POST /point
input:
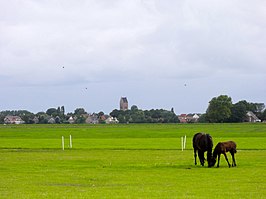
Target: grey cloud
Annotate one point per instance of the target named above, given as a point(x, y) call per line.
point(132, 41)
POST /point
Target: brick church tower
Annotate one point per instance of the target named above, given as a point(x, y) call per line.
point(123, 104)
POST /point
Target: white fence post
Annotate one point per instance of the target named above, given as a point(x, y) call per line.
point(63, 143)
point(185, 140)
point(70, 141)
point(182, 143)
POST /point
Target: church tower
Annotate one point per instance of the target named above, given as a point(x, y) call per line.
point(123, 104)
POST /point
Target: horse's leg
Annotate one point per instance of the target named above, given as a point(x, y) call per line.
point(195, 156)
point(227, 160)
point(218, 160)
point(233, 158)
point(201, 157)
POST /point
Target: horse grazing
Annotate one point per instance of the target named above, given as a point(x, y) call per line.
point(203, 142)
point(222, 148)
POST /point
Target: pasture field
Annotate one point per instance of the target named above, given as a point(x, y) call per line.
point(128, 161)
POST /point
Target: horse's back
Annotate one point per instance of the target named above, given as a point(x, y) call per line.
point(202, 141)
point(196, 140)
point(227, 146)
point(196, 135)
point(220, 147)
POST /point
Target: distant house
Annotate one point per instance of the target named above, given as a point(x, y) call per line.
point(111, 120)
point(196, 117)
point(13, 120)
point(123, 104)
point(57, 120)
point(104, 117)
point(35, 120)
point(192, 118)
point(92, 119)
point(71, 120)
point(251, 117)
point(188, 118)
point(182, 118)
point(51, 120)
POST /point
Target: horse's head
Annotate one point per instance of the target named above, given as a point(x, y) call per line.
point(211, 162)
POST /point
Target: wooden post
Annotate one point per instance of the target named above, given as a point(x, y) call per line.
point(185, 140)
point(63, 144)
point(182, 143)
point(70, 141)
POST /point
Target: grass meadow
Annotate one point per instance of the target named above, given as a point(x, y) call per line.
point(128, 161)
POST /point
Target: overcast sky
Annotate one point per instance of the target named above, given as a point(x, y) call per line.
point(159, 54)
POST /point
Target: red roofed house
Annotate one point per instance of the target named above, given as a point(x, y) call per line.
point(13, 120)
point(182, 118)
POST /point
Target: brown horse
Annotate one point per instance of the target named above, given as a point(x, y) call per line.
point(203, 142)
point(222, 148)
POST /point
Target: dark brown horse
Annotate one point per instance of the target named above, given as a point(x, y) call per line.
point(222, 148)
point(202, 142)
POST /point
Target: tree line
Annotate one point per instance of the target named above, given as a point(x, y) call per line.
point(220, 109)
point(58, 114)
point(136, 115)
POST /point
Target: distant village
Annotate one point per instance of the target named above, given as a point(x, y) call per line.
point(123, 115)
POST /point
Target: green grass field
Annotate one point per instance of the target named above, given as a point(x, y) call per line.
point(128, 161)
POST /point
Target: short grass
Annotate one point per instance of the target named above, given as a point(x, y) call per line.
point(128, 161)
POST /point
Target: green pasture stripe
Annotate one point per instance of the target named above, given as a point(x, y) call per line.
point(131, 131)
point(127, 143)
point(127, 174)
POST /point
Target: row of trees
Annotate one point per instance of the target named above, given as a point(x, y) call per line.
point(58, 114)
point(23, 114)
point(220, 109)
point(135, 115)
